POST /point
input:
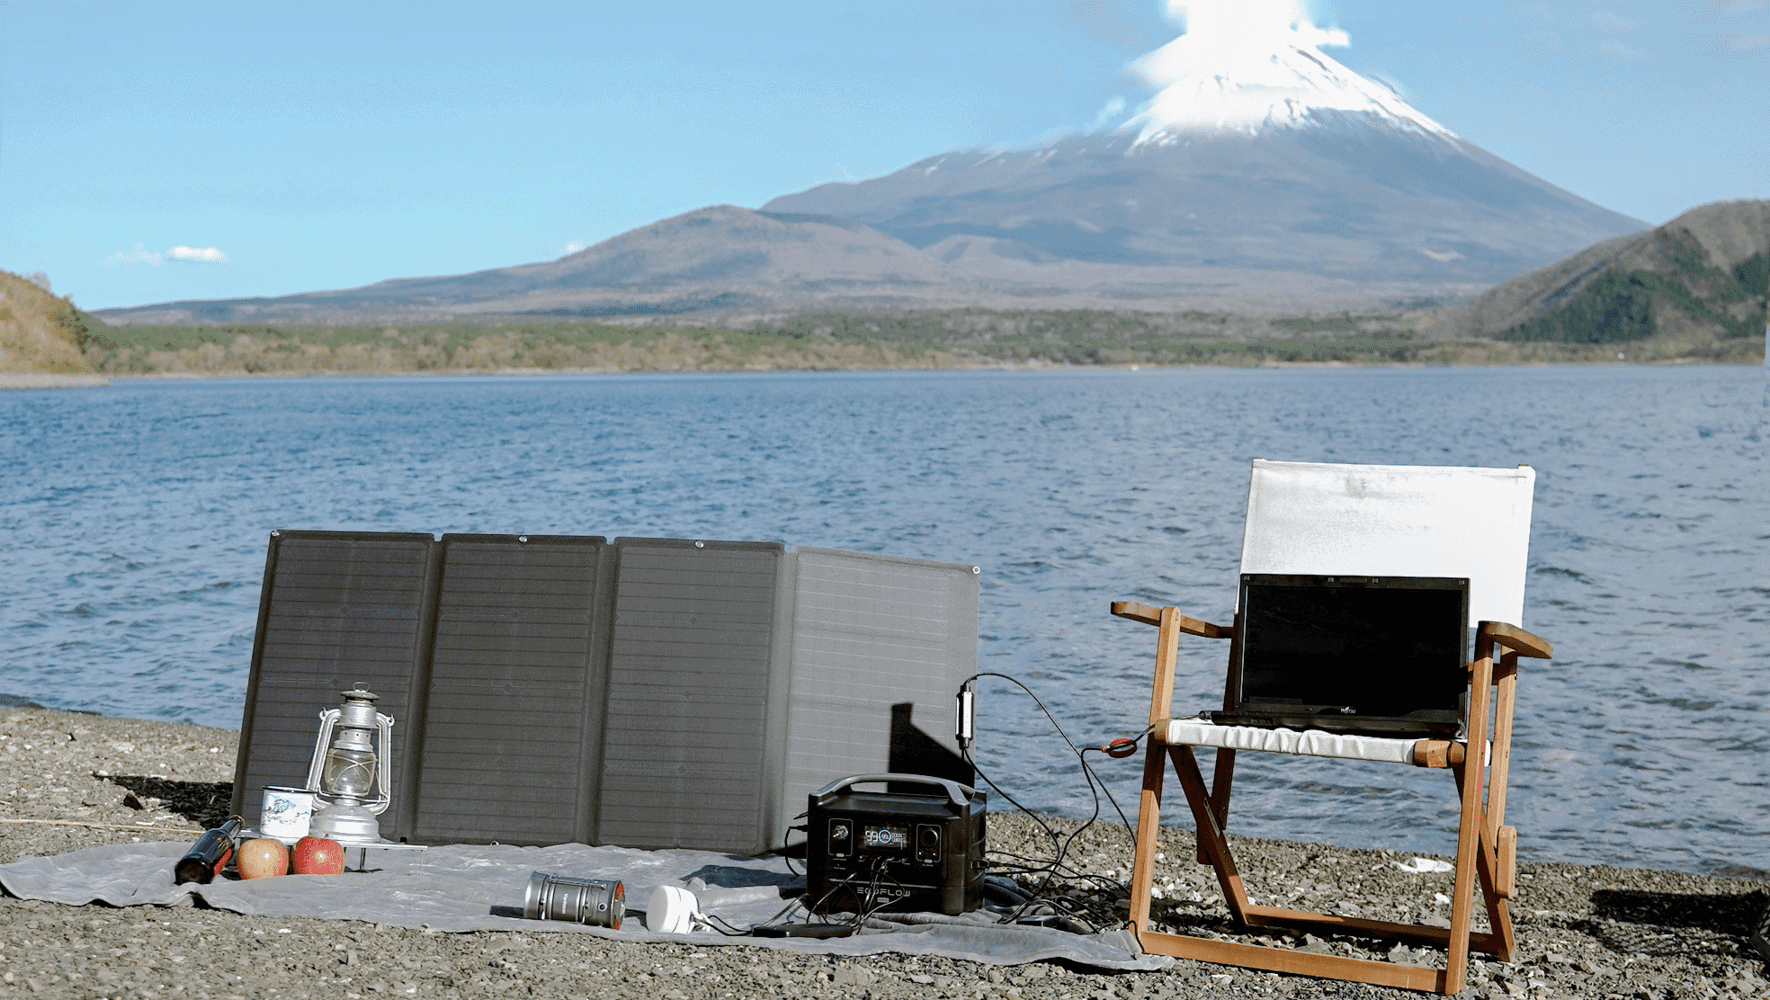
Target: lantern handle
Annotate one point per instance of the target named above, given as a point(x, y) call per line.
point(383, 765)
point(328, 717)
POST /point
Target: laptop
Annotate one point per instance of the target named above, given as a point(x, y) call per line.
point(1381, 655)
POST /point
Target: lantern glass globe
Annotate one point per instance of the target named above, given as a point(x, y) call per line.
point(348, 773)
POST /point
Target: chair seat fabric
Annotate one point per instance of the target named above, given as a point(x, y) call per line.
point(1308, 743)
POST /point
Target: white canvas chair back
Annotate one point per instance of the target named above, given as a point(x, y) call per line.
point(1308, 518)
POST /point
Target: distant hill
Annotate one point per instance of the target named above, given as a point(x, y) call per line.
point(1704, 275)
point(717, 258)
point(41, 334)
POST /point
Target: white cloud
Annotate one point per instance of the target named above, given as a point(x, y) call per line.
point(136, 256)
point(1744, 43)
point(196, 255)
point(1255, 18)
point(176, 255)
point(1248, 64)
point(1321, 38)
point(1109, 114)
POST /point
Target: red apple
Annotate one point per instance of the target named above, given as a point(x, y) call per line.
point(318, 856)
point(262, 858)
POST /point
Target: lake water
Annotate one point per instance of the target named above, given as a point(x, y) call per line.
point(135, 520)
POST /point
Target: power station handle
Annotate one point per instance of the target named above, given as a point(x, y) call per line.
point(960, 794)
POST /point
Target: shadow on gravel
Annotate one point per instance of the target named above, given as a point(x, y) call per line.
point(202, 802)
point(1727, 913)
point(1639, 922)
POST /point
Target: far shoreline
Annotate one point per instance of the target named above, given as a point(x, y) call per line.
point(48, 380)
point(872, 341)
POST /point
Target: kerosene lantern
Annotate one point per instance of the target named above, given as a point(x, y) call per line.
point(350, 763)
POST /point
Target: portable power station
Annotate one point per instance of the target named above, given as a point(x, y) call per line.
point(894, 850)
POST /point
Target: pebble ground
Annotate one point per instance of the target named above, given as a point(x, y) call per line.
point(69, 781)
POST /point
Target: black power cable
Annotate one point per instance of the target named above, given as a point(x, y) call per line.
point(1056, 867)
point(873, 900)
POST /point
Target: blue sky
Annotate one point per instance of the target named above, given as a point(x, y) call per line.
point(151, 152)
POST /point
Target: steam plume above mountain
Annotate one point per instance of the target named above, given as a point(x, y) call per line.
point(1248, 66)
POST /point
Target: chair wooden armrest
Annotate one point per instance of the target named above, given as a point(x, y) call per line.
point(1514, 638)
point(1439, 753)
point(1153, 616)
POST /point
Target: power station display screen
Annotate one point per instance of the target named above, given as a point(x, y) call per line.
point(885, 838)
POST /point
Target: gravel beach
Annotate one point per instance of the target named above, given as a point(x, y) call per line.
point(71, 781)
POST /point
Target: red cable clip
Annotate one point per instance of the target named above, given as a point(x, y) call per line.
point(1121, 747)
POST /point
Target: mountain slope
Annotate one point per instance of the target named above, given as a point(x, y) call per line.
point(1351, 197)
point(1704, 274)
point(718, 257)
point(40, 333)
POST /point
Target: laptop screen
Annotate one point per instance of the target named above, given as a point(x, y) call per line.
point(1353, 653)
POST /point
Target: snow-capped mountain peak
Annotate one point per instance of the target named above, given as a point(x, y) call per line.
point(1253, 65)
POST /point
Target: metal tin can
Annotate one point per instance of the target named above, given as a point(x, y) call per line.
point(602, 902)
point(286, 813)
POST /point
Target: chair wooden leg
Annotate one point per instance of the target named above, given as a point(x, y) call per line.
point(1222, 780)
point(1490, 876)
point(1505, 690)
point(1149, 811)
point(1469, 830)
point(1161, 699)
point(1211, 840)
point(1488, 860)
point(1223, 767)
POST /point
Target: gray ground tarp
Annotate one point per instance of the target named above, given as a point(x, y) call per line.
point(469, 888)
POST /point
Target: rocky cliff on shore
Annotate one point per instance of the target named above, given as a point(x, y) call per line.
point(42, 337)
point(71, 781)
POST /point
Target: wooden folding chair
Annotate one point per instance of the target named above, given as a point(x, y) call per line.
point(1371, 521)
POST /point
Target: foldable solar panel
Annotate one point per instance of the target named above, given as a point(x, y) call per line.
point(646, 693)
point(337, 608)
point(514, 696)
point(691, 669)
point(880, 646)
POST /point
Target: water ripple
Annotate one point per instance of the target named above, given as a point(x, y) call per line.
point(135, 521)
